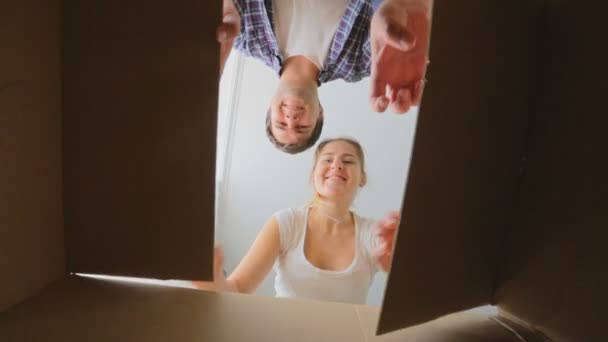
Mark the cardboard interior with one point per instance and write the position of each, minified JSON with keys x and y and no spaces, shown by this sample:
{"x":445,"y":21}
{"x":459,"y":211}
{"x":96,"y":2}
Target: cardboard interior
{"x":108,"y":140}
{"x":107,"y":122}
{"x":31,"y":213}
{"x":507,"y":187}
{"x":140,"y":107}
{"x":465,"y":161}
{"x":553,"y":275}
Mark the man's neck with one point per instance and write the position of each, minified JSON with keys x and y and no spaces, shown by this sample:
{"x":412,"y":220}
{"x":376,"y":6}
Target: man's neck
{"x":299,"y":68}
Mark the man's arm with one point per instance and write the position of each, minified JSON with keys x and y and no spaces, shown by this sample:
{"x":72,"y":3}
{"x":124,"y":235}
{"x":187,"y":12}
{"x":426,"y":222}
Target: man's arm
{"x":228,"y":30}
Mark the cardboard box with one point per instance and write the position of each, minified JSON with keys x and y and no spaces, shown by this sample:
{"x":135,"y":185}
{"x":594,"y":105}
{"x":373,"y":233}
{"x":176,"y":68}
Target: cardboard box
{"x":107,"y":147}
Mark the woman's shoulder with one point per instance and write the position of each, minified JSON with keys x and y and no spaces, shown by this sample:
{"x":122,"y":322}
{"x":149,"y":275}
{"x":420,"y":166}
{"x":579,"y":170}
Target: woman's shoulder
{"x":365,"y":223}
{"x":291,"y":219}
{"x":291,"y":224}
{"x":290,"y":214}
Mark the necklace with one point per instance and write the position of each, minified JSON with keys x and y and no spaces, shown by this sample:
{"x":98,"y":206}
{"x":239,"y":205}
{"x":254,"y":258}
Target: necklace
{"x":335,"y":219}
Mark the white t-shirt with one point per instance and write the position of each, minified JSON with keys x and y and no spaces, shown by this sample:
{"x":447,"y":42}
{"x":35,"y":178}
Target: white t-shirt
{"x":296,"y":277}
{"x":307,"y":27}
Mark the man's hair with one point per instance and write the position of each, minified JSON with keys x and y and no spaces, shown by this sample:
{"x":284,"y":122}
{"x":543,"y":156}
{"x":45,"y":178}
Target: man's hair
{"x":297,"y":147}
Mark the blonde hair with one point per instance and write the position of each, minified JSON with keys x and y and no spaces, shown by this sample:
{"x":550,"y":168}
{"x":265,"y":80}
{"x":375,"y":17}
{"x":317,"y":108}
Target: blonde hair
{"x":354,"y":143}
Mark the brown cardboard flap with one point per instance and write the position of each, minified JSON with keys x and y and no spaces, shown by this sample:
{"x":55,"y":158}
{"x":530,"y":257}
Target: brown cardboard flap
{"x":92,"y":310}
{"x":140,"y":99}
{"x":465,"y":162}
{"x":459,"y":327}
{"x":79,"y":309}
{"x":555,"y":275}
{"x":31,"y":223}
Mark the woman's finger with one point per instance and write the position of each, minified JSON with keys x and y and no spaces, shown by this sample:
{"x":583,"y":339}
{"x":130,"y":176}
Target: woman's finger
{"x":218,"y":264}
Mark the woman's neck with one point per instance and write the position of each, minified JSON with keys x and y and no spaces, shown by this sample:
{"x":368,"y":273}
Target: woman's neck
{"x":334,"y":212}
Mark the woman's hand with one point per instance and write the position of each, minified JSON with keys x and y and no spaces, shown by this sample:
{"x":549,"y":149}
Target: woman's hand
{"x":400,"y":32}
{"x":385,"y":231}
{"x":219,"y":282}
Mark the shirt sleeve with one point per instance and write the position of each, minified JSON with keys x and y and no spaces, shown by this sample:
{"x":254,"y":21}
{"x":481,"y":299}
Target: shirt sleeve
{"x":288,"y":224}
{"x":375,"y":4}
{"x":367,"y":46}
{"x":241,"y":6}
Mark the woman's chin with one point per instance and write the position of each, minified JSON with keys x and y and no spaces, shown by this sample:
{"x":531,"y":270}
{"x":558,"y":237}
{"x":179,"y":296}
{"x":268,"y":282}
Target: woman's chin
{"x":335,"y":193}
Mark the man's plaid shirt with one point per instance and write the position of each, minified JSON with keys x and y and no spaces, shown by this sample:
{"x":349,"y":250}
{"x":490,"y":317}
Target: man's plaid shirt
{"x":349,"y":56}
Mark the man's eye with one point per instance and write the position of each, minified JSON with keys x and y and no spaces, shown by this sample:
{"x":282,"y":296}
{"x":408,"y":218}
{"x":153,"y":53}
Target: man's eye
{"x":349,"y":162}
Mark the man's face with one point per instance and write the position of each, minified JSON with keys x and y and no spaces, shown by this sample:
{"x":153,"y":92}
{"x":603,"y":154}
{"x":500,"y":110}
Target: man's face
{"x":294,"y":112}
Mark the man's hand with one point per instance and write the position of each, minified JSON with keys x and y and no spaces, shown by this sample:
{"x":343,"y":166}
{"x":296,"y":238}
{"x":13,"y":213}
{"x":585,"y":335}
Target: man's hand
{"x":228,"y":30}
{"x":400,"y":31}
{"x":385,"y":230}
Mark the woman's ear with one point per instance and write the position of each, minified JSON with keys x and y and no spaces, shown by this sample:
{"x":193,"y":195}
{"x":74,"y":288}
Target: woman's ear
{"x":363,"y":180}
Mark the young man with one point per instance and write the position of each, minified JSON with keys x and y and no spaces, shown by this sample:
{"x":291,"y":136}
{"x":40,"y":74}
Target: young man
{"x":310,"y":42}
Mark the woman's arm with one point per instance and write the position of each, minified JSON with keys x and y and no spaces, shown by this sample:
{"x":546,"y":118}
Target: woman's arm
{"x":253,"y":268}
{"x":258,"y":261}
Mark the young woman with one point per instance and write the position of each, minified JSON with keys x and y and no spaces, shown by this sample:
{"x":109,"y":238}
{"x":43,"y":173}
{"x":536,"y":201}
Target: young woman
{"x":323,"y":251}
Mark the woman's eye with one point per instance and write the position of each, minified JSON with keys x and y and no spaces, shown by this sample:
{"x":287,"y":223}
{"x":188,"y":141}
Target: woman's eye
{"x":348,"y":162}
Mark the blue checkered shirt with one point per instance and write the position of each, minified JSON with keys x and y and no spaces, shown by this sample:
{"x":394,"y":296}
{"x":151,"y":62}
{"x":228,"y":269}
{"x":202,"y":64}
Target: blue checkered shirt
{"x":349,"y":56}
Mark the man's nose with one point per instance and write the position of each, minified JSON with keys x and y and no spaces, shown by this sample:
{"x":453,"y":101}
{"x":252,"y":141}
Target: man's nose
{"x":289,"y":115}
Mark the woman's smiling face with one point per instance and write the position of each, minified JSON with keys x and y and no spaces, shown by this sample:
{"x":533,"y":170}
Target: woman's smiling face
{"x":338,"y":170}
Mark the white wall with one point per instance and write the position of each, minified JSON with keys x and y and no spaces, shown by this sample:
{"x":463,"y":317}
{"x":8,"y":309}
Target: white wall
{"x":259,"y":180}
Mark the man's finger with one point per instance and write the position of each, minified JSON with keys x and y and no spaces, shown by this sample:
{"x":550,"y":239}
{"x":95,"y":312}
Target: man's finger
{"x":402,"y":101}
{"x":378,"y":99}
{"x":417,"y":92}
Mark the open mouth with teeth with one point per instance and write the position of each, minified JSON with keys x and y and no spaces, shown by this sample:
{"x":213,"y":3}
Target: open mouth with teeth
{"x":292,"y":108}
{"x":336,"y":177}
{"x":293,"y":104}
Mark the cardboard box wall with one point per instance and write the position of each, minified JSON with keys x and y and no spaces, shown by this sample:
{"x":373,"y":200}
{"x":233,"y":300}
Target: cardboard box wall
{"x":108,"y":147}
